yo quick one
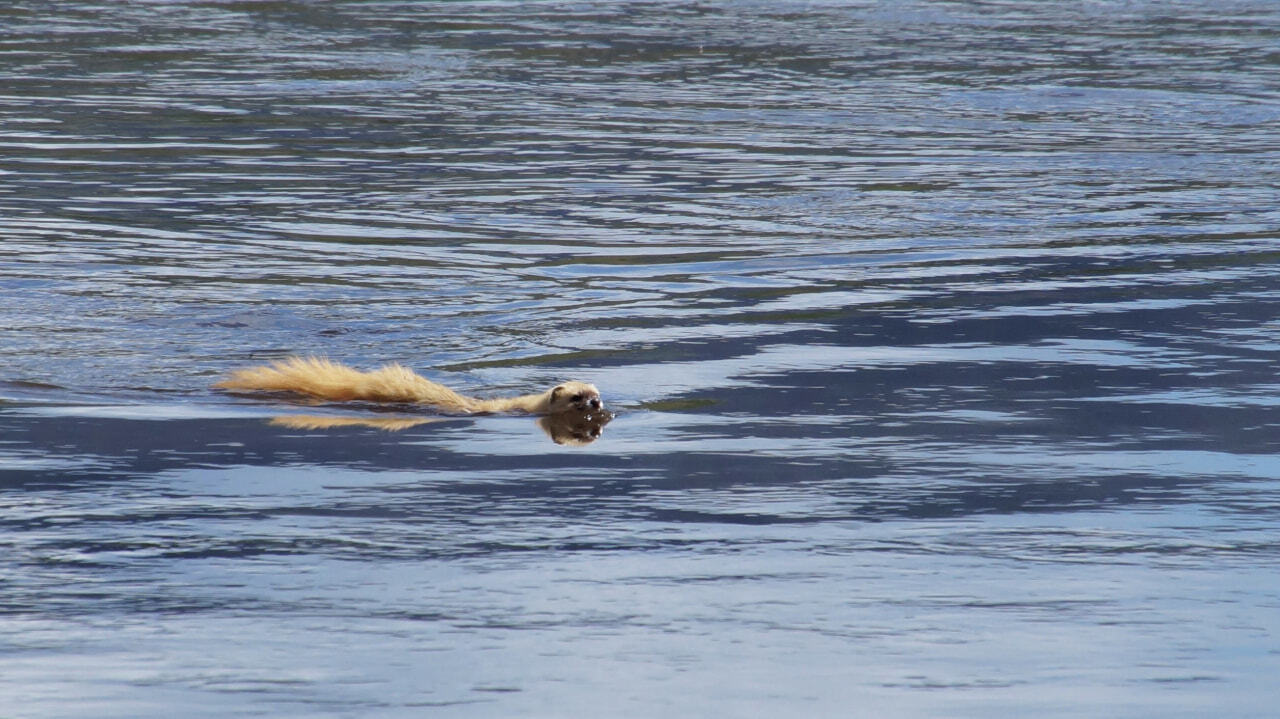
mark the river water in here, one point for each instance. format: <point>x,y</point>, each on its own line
<point>941,338</point>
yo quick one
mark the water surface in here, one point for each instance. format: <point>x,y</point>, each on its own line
<point>941,337</point>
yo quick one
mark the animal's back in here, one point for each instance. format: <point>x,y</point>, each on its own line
<point>329,380</point>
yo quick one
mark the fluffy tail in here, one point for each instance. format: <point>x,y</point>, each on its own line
<point>329,380</point>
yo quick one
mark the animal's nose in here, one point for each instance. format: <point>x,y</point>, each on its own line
<point>595,403</point>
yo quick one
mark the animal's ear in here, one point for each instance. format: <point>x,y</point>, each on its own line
<point>555,391</point>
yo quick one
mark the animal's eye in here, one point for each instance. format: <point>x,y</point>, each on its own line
<point>576,398</point>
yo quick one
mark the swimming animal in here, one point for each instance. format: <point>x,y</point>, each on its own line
<point>319,377</point>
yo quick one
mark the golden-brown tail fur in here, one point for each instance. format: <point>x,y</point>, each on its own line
<point>329,380</point>
<point>321,378</point>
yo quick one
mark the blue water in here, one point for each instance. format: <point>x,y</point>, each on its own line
<point>941,338</point>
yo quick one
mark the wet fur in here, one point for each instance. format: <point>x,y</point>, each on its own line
<point>317,377</point>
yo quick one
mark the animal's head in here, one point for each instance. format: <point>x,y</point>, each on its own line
<point>575,397</point>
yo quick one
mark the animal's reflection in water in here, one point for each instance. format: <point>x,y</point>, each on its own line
<point>317,421</point>
<point>575,429</point>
